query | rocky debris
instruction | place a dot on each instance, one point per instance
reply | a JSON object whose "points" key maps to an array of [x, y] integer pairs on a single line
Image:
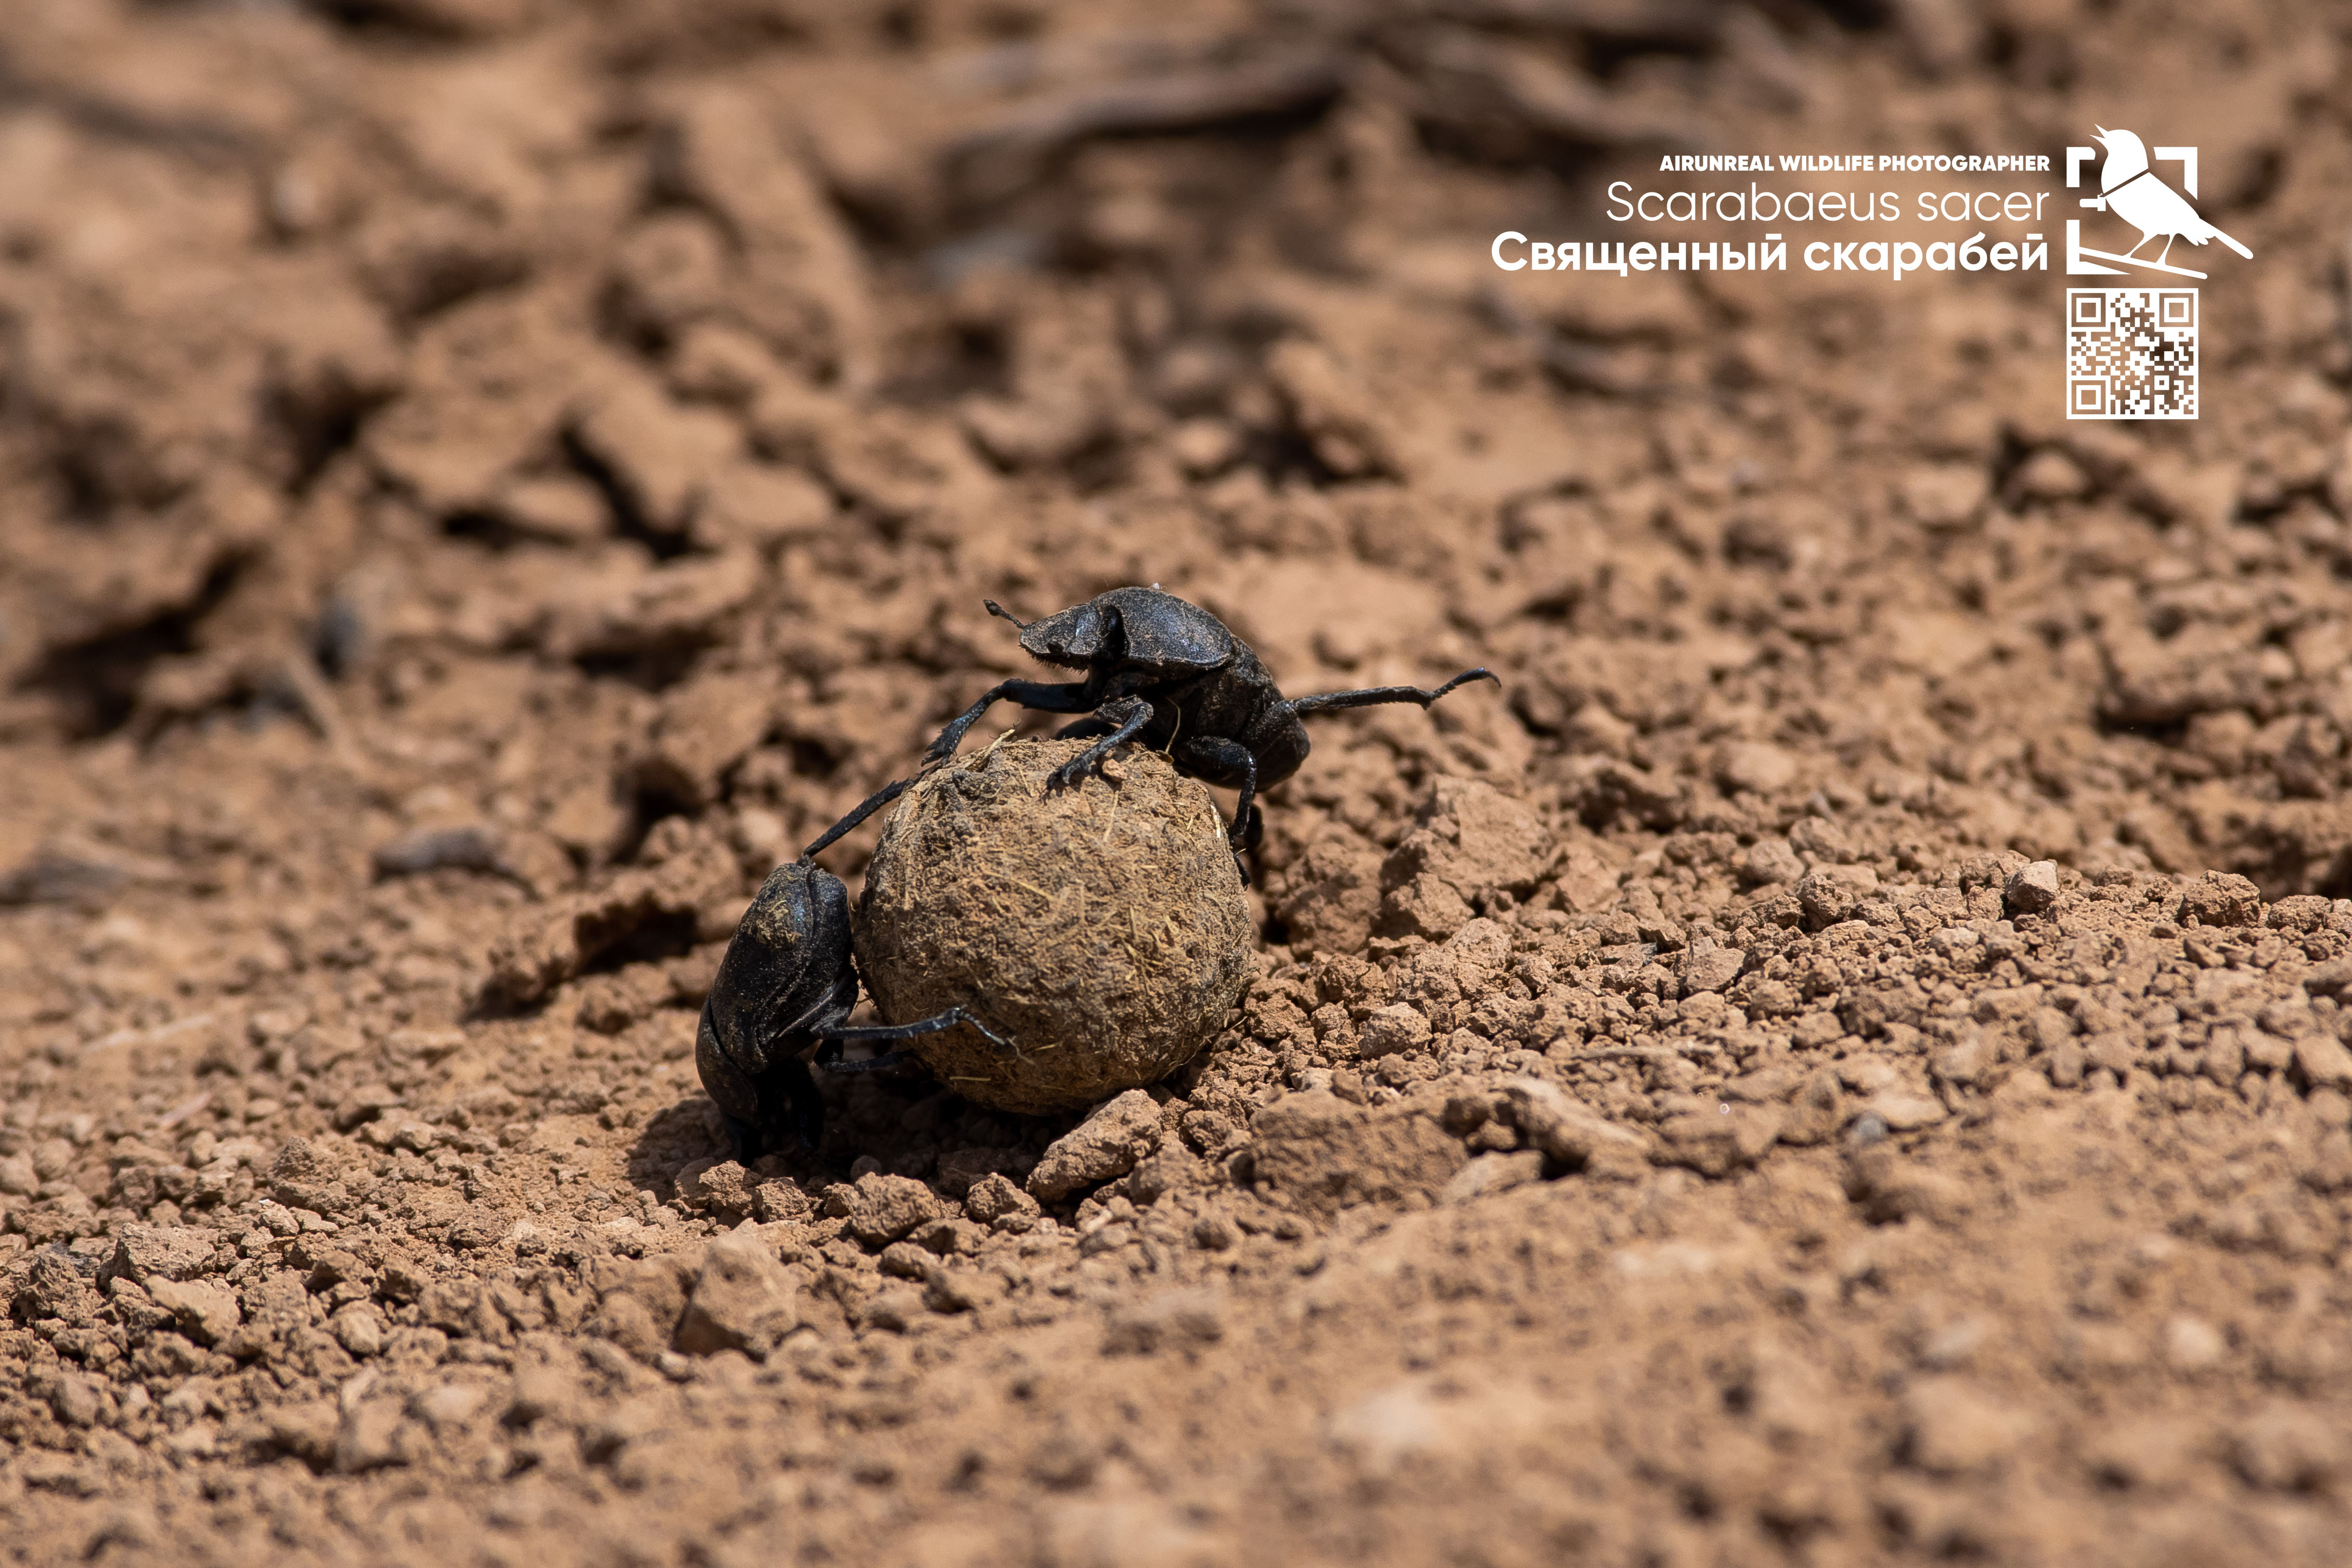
{"points": [[618, 606], [2323, 1062], [2221, 899], [1755, 766], [1166, 1320], [1323, 1154], [993, 1200], [299, 1178], [2031, 890], [374, 1434], [206, 1308], [2330, 979], [470, 848], [1568, 1134], [1470, 843], [961, 1169], [657, 454], [1333, 411], [640, 1304], [879, 1209], [1771, 860], [1709, 967], [1890, 1188], [707, 726], [1393, 1028], [1952, 1427], [1489, 1174], [723, 1185], [358, 1327], [529, 859], [1830, 894], [1330, 897], [743, 1299], [795, 278], [1899, 1112], [2283, 1447], [1108, 1143], [1716, 1140], [48, 1285], [652, 906], [84, 880], [146, 1254]]}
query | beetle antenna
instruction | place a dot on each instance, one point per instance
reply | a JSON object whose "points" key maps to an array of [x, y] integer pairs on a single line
{"points": [[1000, 612]]}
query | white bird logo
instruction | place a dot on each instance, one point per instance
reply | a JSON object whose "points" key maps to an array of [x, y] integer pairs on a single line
{"points": [[2128, 184]]}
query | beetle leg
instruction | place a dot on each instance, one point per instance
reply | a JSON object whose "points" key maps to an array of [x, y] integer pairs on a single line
{"points": [[802, 1108], [1130, 714], [864, 809], [1216, 757], [865, 1064], [1371, 696], [1043, 696], [828, 1055], [806, 1104], [744, 1138]]}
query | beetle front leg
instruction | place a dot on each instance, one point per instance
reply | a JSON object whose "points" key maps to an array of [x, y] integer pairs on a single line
{"points": [[1043, 696], [1214, 756], [1127, 715]]}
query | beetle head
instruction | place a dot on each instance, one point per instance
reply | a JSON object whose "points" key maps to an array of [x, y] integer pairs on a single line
{"points": [[1076, 639]]}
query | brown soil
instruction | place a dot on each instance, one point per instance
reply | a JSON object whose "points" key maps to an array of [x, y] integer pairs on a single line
{"points": [[485, 479]]}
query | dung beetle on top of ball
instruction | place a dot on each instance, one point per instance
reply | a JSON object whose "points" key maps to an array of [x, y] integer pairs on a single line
{"points": [[789, 982], [1171, 675]]}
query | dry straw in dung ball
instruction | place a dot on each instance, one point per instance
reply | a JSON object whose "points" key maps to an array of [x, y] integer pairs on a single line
{"points": [[1100, 926]]}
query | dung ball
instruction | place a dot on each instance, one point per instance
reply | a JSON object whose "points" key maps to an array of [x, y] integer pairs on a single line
{"points": [[1100, 927]]}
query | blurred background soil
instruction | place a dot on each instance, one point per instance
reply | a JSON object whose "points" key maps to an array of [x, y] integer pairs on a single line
{"points": [[1840, 1061]]}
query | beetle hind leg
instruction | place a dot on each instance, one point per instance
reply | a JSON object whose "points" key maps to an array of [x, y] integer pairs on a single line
{"points": [[1372, 696]]}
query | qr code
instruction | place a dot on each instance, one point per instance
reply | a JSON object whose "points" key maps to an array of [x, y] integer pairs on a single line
{"points": [[2131, 354]]}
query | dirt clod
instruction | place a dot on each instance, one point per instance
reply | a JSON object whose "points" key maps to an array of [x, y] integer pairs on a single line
{"points": [[742, 1300], [1323, 1154], [2031, 890], [1108, 1143], [994, 1199], [2222, 899], [879, 1209], [147, 1254]]}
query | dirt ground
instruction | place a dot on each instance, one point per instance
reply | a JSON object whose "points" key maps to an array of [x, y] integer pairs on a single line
{"points": [[1841, 1060]]}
